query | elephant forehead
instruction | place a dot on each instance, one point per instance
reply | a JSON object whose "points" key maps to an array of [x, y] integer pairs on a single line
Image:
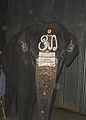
{"points": [[30, 39]]}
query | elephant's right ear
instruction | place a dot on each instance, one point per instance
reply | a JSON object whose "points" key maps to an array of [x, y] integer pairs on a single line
{"points": [[71, 51]]}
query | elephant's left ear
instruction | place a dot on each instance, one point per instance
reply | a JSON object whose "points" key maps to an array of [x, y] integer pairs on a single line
{"points": [[71, 51]]}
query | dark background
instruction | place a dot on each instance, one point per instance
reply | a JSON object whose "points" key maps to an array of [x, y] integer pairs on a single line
{"points": [[72, 13], [3, 21]]}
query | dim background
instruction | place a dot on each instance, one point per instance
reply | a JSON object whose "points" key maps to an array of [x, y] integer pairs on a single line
{"points": [[16, 15]]}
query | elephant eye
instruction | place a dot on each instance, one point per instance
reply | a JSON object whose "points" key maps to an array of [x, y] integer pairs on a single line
{"points": [[24, 46], [70, 47]]}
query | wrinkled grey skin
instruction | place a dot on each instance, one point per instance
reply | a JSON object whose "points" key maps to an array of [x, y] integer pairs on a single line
{"points": [[20, 65]]}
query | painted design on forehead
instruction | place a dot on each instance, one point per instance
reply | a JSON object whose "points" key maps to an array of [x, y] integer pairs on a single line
{"points": [[48, 42]]}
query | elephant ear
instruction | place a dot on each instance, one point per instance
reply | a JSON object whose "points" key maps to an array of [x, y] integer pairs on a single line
{"points": [[72, 50]]}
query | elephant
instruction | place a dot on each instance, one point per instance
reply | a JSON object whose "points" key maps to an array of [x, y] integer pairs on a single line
{"points": [[20, 62]]}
